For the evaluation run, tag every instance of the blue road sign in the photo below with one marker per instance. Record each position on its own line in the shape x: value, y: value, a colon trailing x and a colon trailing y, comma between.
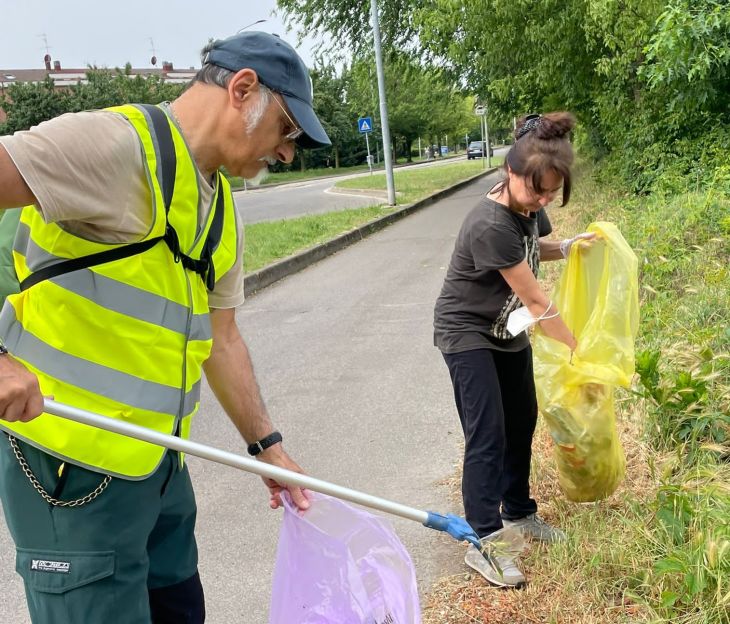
x: 365, y: 124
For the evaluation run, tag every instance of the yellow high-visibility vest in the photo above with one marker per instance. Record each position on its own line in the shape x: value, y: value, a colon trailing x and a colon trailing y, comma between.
x: 126, y: 339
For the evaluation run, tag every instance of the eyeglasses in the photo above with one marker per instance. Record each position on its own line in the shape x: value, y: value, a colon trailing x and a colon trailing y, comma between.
x: 297, y: 132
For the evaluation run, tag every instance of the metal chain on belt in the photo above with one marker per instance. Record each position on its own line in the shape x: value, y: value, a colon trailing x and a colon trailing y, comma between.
x: 40, y: 489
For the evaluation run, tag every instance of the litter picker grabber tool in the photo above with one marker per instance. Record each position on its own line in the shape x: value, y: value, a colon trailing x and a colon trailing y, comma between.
x: 454, y: 525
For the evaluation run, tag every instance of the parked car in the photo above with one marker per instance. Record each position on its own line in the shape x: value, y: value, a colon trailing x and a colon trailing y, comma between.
x: 475, y: 150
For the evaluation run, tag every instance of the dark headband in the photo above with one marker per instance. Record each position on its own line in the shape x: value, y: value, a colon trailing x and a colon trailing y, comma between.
x: 531, y: 122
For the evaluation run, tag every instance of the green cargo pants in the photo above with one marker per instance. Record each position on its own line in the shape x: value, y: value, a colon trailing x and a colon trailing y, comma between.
x: 107, y: 560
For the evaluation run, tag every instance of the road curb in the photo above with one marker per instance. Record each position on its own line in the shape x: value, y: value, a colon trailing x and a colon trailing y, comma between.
x: 258, y: 280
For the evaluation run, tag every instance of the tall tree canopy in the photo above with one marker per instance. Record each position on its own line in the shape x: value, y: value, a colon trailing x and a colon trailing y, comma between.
x: 647, y: 78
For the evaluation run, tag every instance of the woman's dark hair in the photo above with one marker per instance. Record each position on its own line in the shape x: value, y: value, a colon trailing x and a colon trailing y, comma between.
x: 541, y: 145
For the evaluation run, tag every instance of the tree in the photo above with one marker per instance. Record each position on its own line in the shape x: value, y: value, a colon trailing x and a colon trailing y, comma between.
x: 29, y: 104
x: 106, y: 87
x: 690, y: 47
x: 422, y: 100
x: 331, y: 106
x: 348, y: 21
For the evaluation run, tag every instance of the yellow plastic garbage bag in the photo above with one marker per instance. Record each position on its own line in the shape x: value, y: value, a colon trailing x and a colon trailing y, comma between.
x: 597, y: 296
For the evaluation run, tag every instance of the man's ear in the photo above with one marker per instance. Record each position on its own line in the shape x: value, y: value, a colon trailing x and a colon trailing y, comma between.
x: 242, y: 85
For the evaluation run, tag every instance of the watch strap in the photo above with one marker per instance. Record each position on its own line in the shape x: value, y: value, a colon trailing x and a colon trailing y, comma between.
x: 264, y: 443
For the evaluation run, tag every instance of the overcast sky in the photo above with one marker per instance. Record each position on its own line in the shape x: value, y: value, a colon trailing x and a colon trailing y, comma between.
x: 96, y: 32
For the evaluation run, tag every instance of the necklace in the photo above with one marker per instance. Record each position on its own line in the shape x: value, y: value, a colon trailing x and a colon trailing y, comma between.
x: 212, y: 179
x: 171, y: 110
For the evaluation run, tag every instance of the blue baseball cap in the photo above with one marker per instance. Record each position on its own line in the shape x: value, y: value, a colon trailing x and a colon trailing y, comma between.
x: 280, y: 69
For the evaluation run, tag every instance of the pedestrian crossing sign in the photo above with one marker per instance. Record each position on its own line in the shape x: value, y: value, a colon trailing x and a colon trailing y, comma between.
x: 365, y: 124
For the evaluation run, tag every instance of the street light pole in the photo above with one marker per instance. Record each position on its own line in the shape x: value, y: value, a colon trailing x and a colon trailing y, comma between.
x: 479, y: 112
x: 251, y: 24
x: 483, y: 150
x: 486, y: 128
x: 383, y: 106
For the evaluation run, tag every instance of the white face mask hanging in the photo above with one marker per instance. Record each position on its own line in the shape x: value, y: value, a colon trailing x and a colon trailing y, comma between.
x: 521, y: 320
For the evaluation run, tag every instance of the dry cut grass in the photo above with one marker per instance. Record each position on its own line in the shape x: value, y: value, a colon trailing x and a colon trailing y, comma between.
x: 575, y: 583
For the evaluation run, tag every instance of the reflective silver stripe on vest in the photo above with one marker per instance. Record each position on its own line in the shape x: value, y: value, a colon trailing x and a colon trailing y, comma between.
x: 22, y: 238
x: 120, y: 297
x: 116, y: 385
x: 134, y: 302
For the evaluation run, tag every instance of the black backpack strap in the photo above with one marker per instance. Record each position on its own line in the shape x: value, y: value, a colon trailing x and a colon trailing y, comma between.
x: 214, y: 235
x: 204, y: 266
x: 166, y: 147
x: 168, y: 162
x: 75, y: 264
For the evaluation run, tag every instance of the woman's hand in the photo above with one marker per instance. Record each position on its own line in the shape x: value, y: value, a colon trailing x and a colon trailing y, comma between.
x: 567, y: 243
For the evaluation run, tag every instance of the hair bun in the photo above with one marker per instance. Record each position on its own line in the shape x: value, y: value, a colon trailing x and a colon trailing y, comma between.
x: 555, y: 125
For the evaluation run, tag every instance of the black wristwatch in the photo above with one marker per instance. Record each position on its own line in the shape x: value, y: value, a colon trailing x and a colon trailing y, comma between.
x: 264, y: 443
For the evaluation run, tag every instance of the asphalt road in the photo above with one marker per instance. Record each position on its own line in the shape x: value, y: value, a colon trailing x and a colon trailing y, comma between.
x: 310, y: 197
x: 296, y: 200
x: 344, y: 357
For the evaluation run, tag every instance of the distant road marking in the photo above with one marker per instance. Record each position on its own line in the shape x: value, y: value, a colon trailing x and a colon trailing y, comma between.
x: 331, y: 192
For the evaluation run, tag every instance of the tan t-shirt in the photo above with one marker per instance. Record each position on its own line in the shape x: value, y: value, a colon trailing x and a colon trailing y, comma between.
x: 87, y: 172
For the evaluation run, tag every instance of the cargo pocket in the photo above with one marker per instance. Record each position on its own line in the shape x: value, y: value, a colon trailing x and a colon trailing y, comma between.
x: 64, y: 586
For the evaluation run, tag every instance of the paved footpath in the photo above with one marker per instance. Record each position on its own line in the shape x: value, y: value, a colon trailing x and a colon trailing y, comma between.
x: 343, y: 353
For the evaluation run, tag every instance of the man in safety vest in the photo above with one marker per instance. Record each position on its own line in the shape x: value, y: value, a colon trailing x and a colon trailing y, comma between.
x: 129, y: 255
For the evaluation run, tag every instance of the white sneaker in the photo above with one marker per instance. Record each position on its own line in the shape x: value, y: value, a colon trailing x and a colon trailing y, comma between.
x: 497, y: 561
x: 534, y: 527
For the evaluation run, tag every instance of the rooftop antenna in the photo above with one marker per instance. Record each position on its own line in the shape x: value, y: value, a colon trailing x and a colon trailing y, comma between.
x: 153, y: 60
x: 47, y: 57
x: 45, y: 42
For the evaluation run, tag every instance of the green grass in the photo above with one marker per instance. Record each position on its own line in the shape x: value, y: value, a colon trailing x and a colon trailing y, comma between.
x: 413, y: 184
x: 660, y: 551
x: 660, y: 557
x: 285, y: 177
x: 271, y: 241
x: 683, y: 350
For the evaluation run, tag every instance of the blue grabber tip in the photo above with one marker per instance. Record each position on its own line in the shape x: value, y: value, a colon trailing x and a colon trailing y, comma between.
x: 454, y: 525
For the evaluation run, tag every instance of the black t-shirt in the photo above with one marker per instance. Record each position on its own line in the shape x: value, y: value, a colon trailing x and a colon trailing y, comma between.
x: 475, y: 301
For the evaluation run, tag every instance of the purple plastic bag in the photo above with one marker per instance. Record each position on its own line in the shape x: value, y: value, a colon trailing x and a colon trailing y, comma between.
x: 338, y: 564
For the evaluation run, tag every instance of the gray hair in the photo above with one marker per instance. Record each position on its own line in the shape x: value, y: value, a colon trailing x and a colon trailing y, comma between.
x: 209, y: 73
x: 220, y: 76
x: 258, y: 108
x: 213, y: 75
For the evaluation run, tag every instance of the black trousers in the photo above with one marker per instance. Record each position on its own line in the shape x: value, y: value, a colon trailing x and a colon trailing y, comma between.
x: 182, y: 603
x: 495, y: 398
